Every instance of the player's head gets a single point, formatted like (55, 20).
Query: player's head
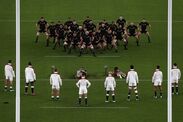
(109, 73)
(103, 24)
(157, 67)
(42, 18)
(80, 27)
(83, 77)
(86, 32)
(74, 22)
(131, 23)
(91, 22)
(9, 62)
(120, 17)
(175, 65)
(131, 67)
(29, 63)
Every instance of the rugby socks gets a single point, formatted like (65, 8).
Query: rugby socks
(36, 39)
(79, 100)
(47, 42)
(137, 41)
(129, 94)
(177, 89)
(149, 40)
(64, 48)
(26, 89)
(5, 88)
(136, 94)
(52, 97)
(113, 97)
(161, 95)
(80, 52)
(57, 97)
(32, 89)
(172, 89)
(155, 94)
(107, 96)
(11, 89)
(86, 100)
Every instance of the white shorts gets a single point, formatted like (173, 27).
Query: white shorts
(57, 87)
(110, 88)
(83, 91)
(10, 78)
(29, 80)
(157, 83)
(175, 81)
(132, 84)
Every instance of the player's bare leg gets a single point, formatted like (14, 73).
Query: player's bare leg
(79, 99)
(173, 85)
(129, 93)
(5, 85)
(37, 37)
(125, 41)
(57, 42)
(148, 36)
(92, 50)
(155, 92)
(114, 44)
(160, 89)
(57, 94)
(137, 39)
(52, 93)
(11, 86)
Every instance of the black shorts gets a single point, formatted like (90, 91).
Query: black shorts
(42, 31)
(143, 31)
(132, 34)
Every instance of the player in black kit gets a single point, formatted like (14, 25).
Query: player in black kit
(143, 25)
(51, 33)
(41, 26)
(132, 30)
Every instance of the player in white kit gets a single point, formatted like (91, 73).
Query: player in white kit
(110, 85)
(55, 82)
(132, 82)
(9, 75)
(83, 84)
(175, 77)
(30, 78)
(157, 80)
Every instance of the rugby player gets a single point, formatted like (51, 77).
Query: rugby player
(83, 84)
(51, 33)
(30, 78)
(41, 27)
(55, 82)
(9, 75)
(132, 82)
(175, 75)
(143, 26)
(110, 85)
(132, 31)
(157, 80)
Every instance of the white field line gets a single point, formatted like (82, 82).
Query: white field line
(72, 56)
(84, 107)
(46, 79)
(34, 21)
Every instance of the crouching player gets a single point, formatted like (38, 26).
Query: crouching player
(83, 84)
(9, 74)
(176, 74)
(30, 77)
(55, 82)
(132, 81)
(110, 85)
(157, 80)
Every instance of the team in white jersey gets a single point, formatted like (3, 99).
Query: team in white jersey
(55, 82)
(9, 75)
(157, 80)
(83, 84)
(110, 85)
(175, 75)
(132, 82)
(30, 78)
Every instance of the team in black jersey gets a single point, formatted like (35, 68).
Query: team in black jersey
(95, 37)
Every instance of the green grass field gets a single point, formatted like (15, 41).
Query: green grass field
(40, 108)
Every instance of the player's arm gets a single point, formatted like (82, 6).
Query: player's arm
(137, 78)
(114, 82)
(153, 77)
(179, 73)
(127, 79)
(77, 84)
(37, 26)
(34, 75)
(60, 80)
(51, 80)
(105, 83)
(12, 71)
(89, 84)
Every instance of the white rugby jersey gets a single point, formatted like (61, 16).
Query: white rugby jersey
(175, 73)
(157, 76)
(110, 81)
(55, 79)
(30, 74)
(83, 83)
(132, 77)
(8, 70)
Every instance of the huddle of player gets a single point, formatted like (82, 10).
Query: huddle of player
(83, 84)
(100, 37)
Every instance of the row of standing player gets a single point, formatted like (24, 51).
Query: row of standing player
(83, 84)
(89, 36)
